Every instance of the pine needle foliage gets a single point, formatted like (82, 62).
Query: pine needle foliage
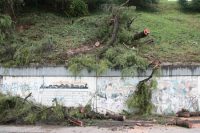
(141, 98)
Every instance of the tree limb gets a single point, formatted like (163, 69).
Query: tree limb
(125, 3)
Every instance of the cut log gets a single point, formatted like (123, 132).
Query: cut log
(183, 114)
(183, 123)
(186, 113)
(97, 44)
(142, 34)
(116, 117)
(192, 114)
(76, 122)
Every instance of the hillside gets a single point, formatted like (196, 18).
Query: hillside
(45, 38)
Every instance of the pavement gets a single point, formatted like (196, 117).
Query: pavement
(124, 129)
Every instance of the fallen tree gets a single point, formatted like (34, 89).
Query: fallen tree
(116, 46)
(141, 98)
(120, 22)
(17, 110)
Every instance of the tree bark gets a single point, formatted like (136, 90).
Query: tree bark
(116, 117)
(142, 34)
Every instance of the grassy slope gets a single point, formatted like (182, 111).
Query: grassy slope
(177, 34)
(64, 33)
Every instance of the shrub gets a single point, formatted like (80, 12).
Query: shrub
(77, 8)
(184, 4)
(145, 4)
(94, 4)
(5, 24)
(22, 56)
(190, 6)
(196, 5)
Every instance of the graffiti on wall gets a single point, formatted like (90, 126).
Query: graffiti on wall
(106, 93)
(174, 94)
(66, 86)
(1, 82)
(68, 91)
(113, 92)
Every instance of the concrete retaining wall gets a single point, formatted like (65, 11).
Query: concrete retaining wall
(177, 88)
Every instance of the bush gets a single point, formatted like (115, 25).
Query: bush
(5, 24)
(184, 4)
(94, 4)
(22, 56)
(196, 5)
(77, 8)
(190, 6)
(144, 4)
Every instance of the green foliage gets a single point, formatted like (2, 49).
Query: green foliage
(102, 66)
(149, 5)
(141, 98)
(2, 37)
(171, 44)
(125, 36)
(6, 50)
(196, 5)
(126, 60)
(94, 4)
(77, 8)
(49, 36)
(14, 109)
(5, 24)
(90, 63)
(115, 58)
(22, 56)
(77, 64)
(58, 110)
(7, 103)
(5, 21)
(184, 4)
(190, 6)
(30, 118)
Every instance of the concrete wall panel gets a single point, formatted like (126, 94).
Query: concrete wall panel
(69, 91)
(105, 93)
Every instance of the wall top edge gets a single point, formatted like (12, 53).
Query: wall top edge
(166, 70)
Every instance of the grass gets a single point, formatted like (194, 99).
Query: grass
(49, 35)
(176, 34)
(46, 36)
(62, 30)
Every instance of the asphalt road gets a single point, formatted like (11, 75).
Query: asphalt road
(58, 129)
